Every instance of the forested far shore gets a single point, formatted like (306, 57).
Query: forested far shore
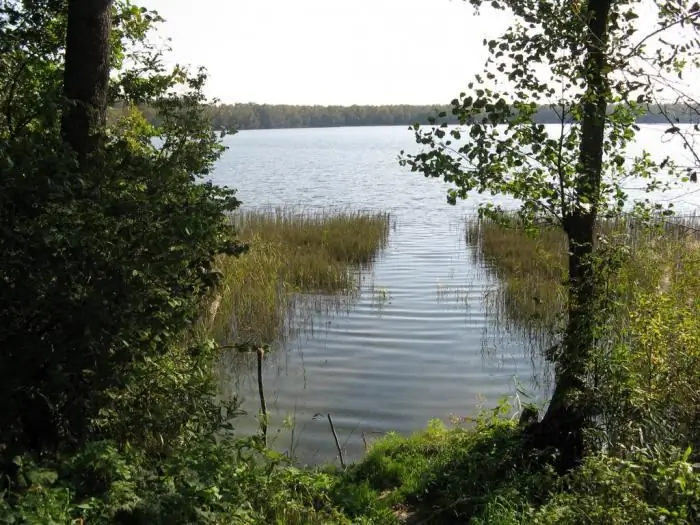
(268, 116)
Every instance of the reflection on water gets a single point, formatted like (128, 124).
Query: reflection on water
(415, 343)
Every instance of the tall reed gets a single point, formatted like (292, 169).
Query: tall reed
(646, 365)
(296, 259)
(531, 267)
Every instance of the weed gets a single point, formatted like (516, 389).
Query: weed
(314, 254)
(644, 371)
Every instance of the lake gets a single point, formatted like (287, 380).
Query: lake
(416, 342)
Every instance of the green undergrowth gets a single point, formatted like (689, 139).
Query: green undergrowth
(204, 483)
(488, 475)
(480, 475)
(291, 252)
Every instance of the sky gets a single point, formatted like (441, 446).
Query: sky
(329, 51)
(338, 51)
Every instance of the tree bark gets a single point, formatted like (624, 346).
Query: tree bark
(568, 412)
(86, 76)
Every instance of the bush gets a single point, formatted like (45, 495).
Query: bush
(646, 485)
(105, 266)
(234, 481)
(486, 476)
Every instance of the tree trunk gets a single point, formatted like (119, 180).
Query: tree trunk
(564, 422)
(86, 77)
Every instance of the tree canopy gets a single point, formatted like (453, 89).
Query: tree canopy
(270, 116)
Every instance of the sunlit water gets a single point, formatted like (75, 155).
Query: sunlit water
(416, 343)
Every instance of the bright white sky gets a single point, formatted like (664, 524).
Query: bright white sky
(329, 51)
(337, 51)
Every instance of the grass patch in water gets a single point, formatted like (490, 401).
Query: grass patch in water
(647, 355)
(317, 254)
(532, 269)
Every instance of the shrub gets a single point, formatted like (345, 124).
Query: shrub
(205, 482)
(104, 267)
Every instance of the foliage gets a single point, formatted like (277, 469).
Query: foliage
(652, 380)
(647, 485)
(645, 364)
(500, 147)
(234, 481)
(315, 253)
(105, 267)
(272, 116)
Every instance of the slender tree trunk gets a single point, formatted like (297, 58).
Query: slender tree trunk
(563, 424)
(86, 76)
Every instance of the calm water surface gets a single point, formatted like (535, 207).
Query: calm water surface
(416, 343)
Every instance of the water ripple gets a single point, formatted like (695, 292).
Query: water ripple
(412, 347)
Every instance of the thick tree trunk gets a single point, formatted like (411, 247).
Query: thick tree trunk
(564, 422)
(86, 77)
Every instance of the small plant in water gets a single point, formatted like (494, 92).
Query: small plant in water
(380, 297)
(296, 259)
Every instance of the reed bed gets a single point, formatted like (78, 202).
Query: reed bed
(298, 259)
(531, 267)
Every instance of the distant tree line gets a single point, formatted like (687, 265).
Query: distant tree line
(268, 116)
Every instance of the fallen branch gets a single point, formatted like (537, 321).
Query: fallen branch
(337, 443)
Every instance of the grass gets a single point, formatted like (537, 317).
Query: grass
(646, 364)
(297, 260)
(444, 476)
(531, 269)
(486, 475)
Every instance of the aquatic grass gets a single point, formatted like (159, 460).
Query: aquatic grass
(530, 297)
(647, 356)
(350, 236)
(298, 259)
(531, 267)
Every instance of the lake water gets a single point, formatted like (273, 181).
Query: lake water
(416, 343)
